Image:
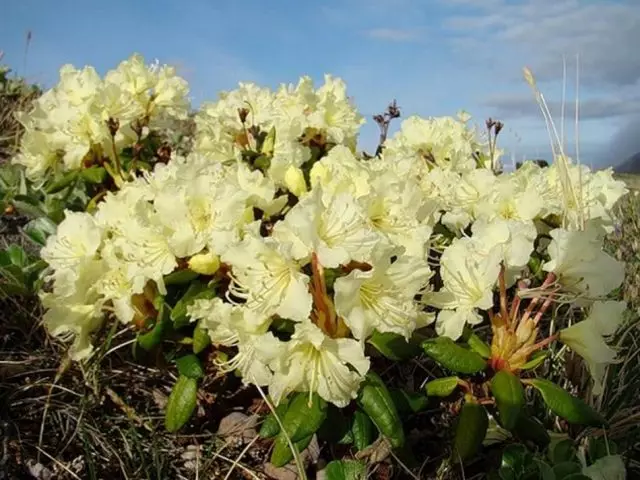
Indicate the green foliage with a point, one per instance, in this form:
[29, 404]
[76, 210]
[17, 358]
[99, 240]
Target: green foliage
[20, 272]
[303, 417]
[190, 366]
[565, 405]
[181, 404]
[362, 430]
[376, 401]
[442, 387]
[471, 428]
[346, 470]
[509, 395]
[394, 346]
[453, 356]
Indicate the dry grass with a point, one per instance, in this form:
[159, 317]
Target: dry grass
[15, 95]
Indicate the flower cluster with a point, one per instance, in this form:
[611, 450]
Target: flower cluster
[311, 248]
[84, 117]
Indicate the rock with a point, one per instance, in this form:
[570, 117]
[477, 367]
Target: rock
[238, 426]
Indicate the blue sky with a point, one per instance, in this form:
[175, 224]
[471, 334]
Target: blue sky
[434, 56]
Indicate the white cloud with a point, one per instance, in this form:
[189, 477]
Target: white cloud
[393, 34]
[604, 34]
[598, 108]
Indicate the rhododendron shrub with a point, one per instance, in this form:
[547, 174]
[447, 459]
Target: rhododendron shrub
[277, 243]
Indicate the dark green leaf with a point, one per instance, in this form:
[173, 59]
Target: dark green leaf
[565, 405]
[180, 277]
[345, 470]
[577, 476]
[181, 404]
[441, 387]
[600, 447]
[476, 343]
[95, 174]
[530, 428]
[201, 339]
[362, 430]
[28, 208]
[17, 255]
[302, 419]
[196, 291]
[375, 400]
[564, 469]
[282, 454]
[514, 456]
[471, 429]
[507, 473]
[153, 337]
[393, 346]
[336, 428]
[190, 366]
[509, 395]
[40, 229]
[563, 451]
[61, 183]
[454, 357]
[408, 402]
[536, 360]
[270, 427]
[545, 470]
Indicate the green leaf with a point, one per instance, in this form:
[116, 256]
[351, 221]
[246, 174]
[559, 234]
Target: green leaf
[530, 428]
[393, 346]
[454, 357]
[545, 470]
[62, 182]
[270, 427]
[196, 291]
[565, 405]
[564, 469]
[40, 229]
[302, 419]
[536, 360]
[181, 404]
[28, 209]
[201, 338]
[408, 402]
[507, 473]
[514, 456]
[95, 174]
[362, 430]
[476, 343]
[509, 394]
[563, 451]
[336, 428]
[180, 277]
[441, 387]
[282, 454]
[600, 447]
[471, 429]
[153, 337]
[17, 255]
[577, 476]
[345, 470]
[190, 366]
[375, 400]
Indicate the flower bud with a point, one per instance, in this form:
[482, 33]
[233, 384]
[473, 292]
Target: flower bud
[205, 263]
[294, 180]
